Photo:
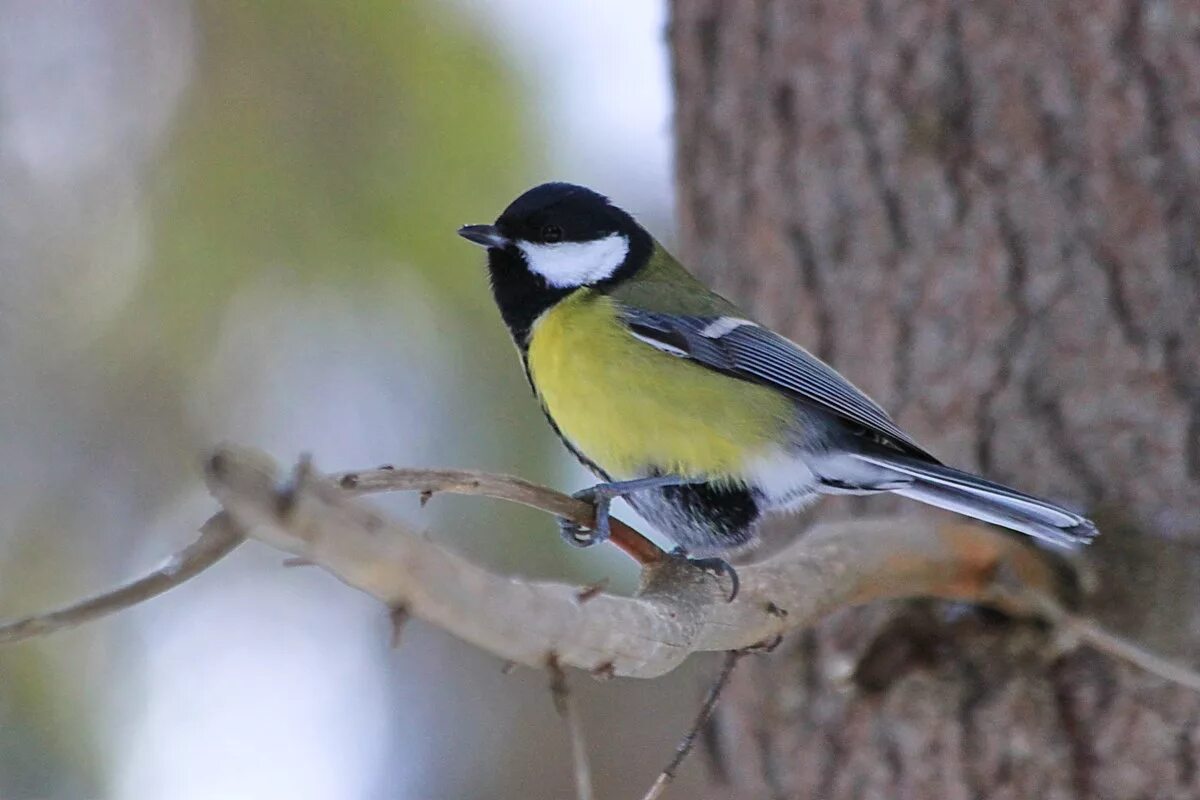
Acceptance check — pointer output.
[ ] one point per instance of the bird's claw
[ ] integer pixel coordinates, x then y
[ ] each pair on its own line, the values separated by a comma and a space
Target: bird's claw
717, 567
577, 535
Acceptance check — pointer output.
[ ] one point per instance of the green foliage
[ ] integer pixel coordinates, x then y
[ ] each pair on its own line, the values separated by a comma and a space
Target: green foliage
331, 142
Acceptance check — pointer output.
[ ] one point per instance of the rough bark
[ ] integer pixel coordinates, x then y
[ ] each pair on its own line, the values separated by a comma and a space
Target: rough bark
986, 214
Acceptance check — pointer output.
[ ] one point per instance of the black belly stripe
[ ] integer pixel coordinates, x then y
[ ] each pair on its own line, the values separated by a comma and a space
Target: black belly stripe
727, 512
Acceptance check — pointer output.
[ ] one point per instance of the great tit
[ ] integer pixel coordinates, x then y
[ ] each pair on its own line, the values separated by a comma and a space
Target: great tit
703, 419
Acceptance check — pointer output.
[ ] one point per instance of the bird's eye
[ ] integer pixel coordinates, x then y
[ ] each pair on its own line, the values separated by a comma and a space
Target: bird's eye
551, 234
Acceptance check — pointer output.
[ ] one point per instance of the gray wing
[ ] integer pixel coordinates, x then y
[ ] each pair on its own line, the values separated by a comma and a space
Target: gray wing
749, 351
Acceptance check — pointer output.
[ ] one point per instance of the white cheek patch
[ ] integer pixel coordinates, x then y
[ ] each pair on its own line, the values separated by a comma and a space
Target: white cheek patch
565, 264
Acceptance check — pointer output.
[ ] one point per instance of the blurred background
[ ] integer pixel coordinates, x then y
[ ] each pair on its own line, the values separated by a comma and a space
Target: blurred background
235, 221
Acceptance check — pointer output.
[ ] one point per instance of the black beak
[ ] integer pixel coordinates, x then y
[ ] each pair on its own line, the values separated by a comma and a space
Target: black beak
483, 235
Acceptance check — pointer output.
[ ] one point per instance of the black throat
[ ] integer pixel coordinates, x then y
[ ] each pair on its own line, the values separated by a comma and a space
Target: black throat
523, 295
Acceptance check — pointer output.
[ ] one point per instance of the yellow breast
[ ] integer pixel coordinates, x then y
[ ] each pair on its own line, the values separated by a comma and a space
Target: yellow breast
628, 406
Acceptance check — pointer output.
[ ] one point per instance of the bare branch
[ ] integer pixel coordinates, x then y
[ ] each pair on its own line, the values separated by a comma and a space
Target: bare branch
679, 611
689, 739
218, 538
399, 618
429, 482
1105, 641
564, 704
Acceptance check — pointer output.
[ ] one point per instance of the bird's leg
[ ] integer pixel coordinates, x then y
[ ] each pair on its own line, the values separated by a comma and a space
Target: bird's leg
601, 496
717, 567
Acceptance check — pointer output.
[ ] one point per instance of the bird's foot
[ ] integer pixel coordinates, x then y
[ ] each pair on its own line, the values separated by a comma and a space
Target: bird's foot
601, 496
577, 535
717, 567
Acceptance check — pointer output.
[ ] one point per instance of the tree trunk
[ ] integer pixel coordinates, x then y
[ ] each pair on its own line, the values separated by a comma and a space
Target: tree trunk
987, 215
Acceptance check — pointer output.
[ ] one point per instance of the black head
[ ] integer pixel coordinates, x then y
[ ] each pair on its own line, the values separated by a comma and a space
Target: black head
552, 240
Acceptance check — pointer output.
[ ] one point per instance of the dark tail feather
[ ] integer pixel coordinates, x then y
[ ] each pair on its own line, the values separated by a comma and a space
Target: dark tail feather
973, 496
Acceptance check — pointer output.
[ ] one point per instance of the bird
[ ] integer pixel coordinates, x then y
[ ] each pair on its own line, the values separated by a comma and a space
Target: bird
704, 420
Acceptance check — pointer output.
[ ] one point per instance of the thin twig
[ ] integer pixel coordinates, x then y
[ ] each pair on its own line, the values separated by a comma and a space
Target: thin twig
1105, 641
218, 538
689, 739
399, 618
564, 704
428, 482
